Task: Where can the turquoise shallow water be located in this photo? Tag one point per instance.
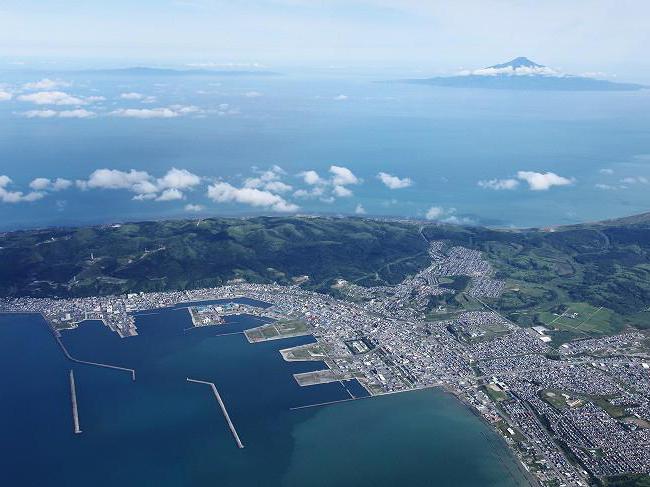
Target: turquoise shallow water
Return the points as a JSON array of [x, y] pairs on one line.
[[163, 431]]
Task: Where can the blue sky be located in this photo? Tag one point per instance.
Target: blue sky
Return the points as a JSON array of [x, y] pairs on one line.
[[575, 35]]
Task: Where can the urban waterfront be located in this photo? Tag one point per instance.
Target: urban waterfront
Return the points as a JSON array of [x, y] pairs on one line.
[[161, 430]]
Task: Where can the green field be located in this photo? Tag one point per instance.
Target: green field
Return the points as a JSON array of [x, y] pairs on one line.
[[494, 394], [582, 318], [278, 329]]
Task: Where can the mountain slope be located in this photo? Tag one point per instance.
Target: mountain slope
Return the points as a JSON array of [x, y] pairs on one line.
[[523, 74], [601, 269]]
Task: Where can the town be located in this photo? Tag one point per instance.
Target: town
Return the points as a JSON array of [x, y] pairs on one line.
[[572, 414]]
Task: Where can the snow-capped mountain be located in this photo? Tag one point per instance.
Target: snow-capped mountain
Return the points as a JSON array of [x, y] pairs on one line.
[[523, 74], [521, 66]]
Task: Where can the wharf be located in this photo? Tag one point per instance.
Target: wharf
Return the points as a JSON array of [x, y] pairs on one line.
[[223, 409], [75, 411]]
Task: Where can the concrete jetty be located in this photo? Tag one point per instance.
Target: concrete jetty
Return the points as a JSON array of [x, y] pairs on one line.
[[354, 398], [223, 409], [57, 337], [327, 403], [75, 411]]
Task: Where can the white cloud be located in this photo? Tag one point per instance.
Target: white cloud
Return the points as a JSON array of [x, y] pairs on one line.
[[341, 97], [360, 210], [8, 196], [225, 109], [434, 213], [116, 179], [510, 71], [145, 196], [394, 182], [167, 188], [145, 187], [278, 187], [595, 74], [264, 177], [447, 215], [39, 184], [171, 194], [269, 180], [311, 177], [78, 113], [52, 98], [224, 192], [178, 179], [607, 187], [635, 180], [45, 84], [40, 113], [60, 184], [343, 176], [160, 112], [186, 109], [459, 220], [131, 96], [44, 184], [193, 208], [144, 113], [606, 171], [341, 192], [253, 94], [538, 181], [315, 192], [499, 184], [5, 95]]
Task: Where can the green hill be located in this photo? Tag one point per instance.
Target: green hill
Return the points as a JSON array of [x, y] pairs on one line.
[[598, 268]]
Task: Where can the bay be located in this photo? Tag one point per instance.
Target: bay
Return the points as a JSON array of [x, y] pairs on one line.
[[163, 431]]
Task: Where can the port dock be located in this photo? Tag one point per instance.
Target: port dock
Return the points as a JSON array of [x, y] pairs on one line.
[[223, 409], [57, 337], [73, 397]]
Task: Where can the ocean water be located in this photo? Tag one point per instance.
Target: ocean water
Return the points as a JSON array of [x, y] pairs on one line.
[[163, 431], [446, 140]]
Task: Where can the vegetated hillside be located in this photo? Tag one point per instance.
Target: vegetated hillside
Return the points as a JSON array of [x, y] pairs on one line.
[[600, 271], [591, 266], [183, 254]]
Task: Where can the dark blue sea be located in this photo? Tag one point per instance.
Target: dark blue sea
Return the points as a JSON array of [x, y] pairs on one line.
[[163, 431], [445, 140]]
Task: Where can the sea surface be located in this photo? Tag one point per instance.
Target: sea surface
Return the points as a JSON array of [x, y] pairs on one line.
[[445, 140], [164, 431]]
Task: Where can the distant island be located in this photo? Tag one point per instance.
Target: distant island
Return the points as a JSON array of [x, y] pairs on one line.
[[523, 74]]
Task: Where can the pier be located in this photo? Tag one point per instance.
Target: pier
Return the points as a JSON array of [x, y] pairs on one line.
[[75, 411], [327, 403], [57, 337], [223, 409], [355, 398]]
